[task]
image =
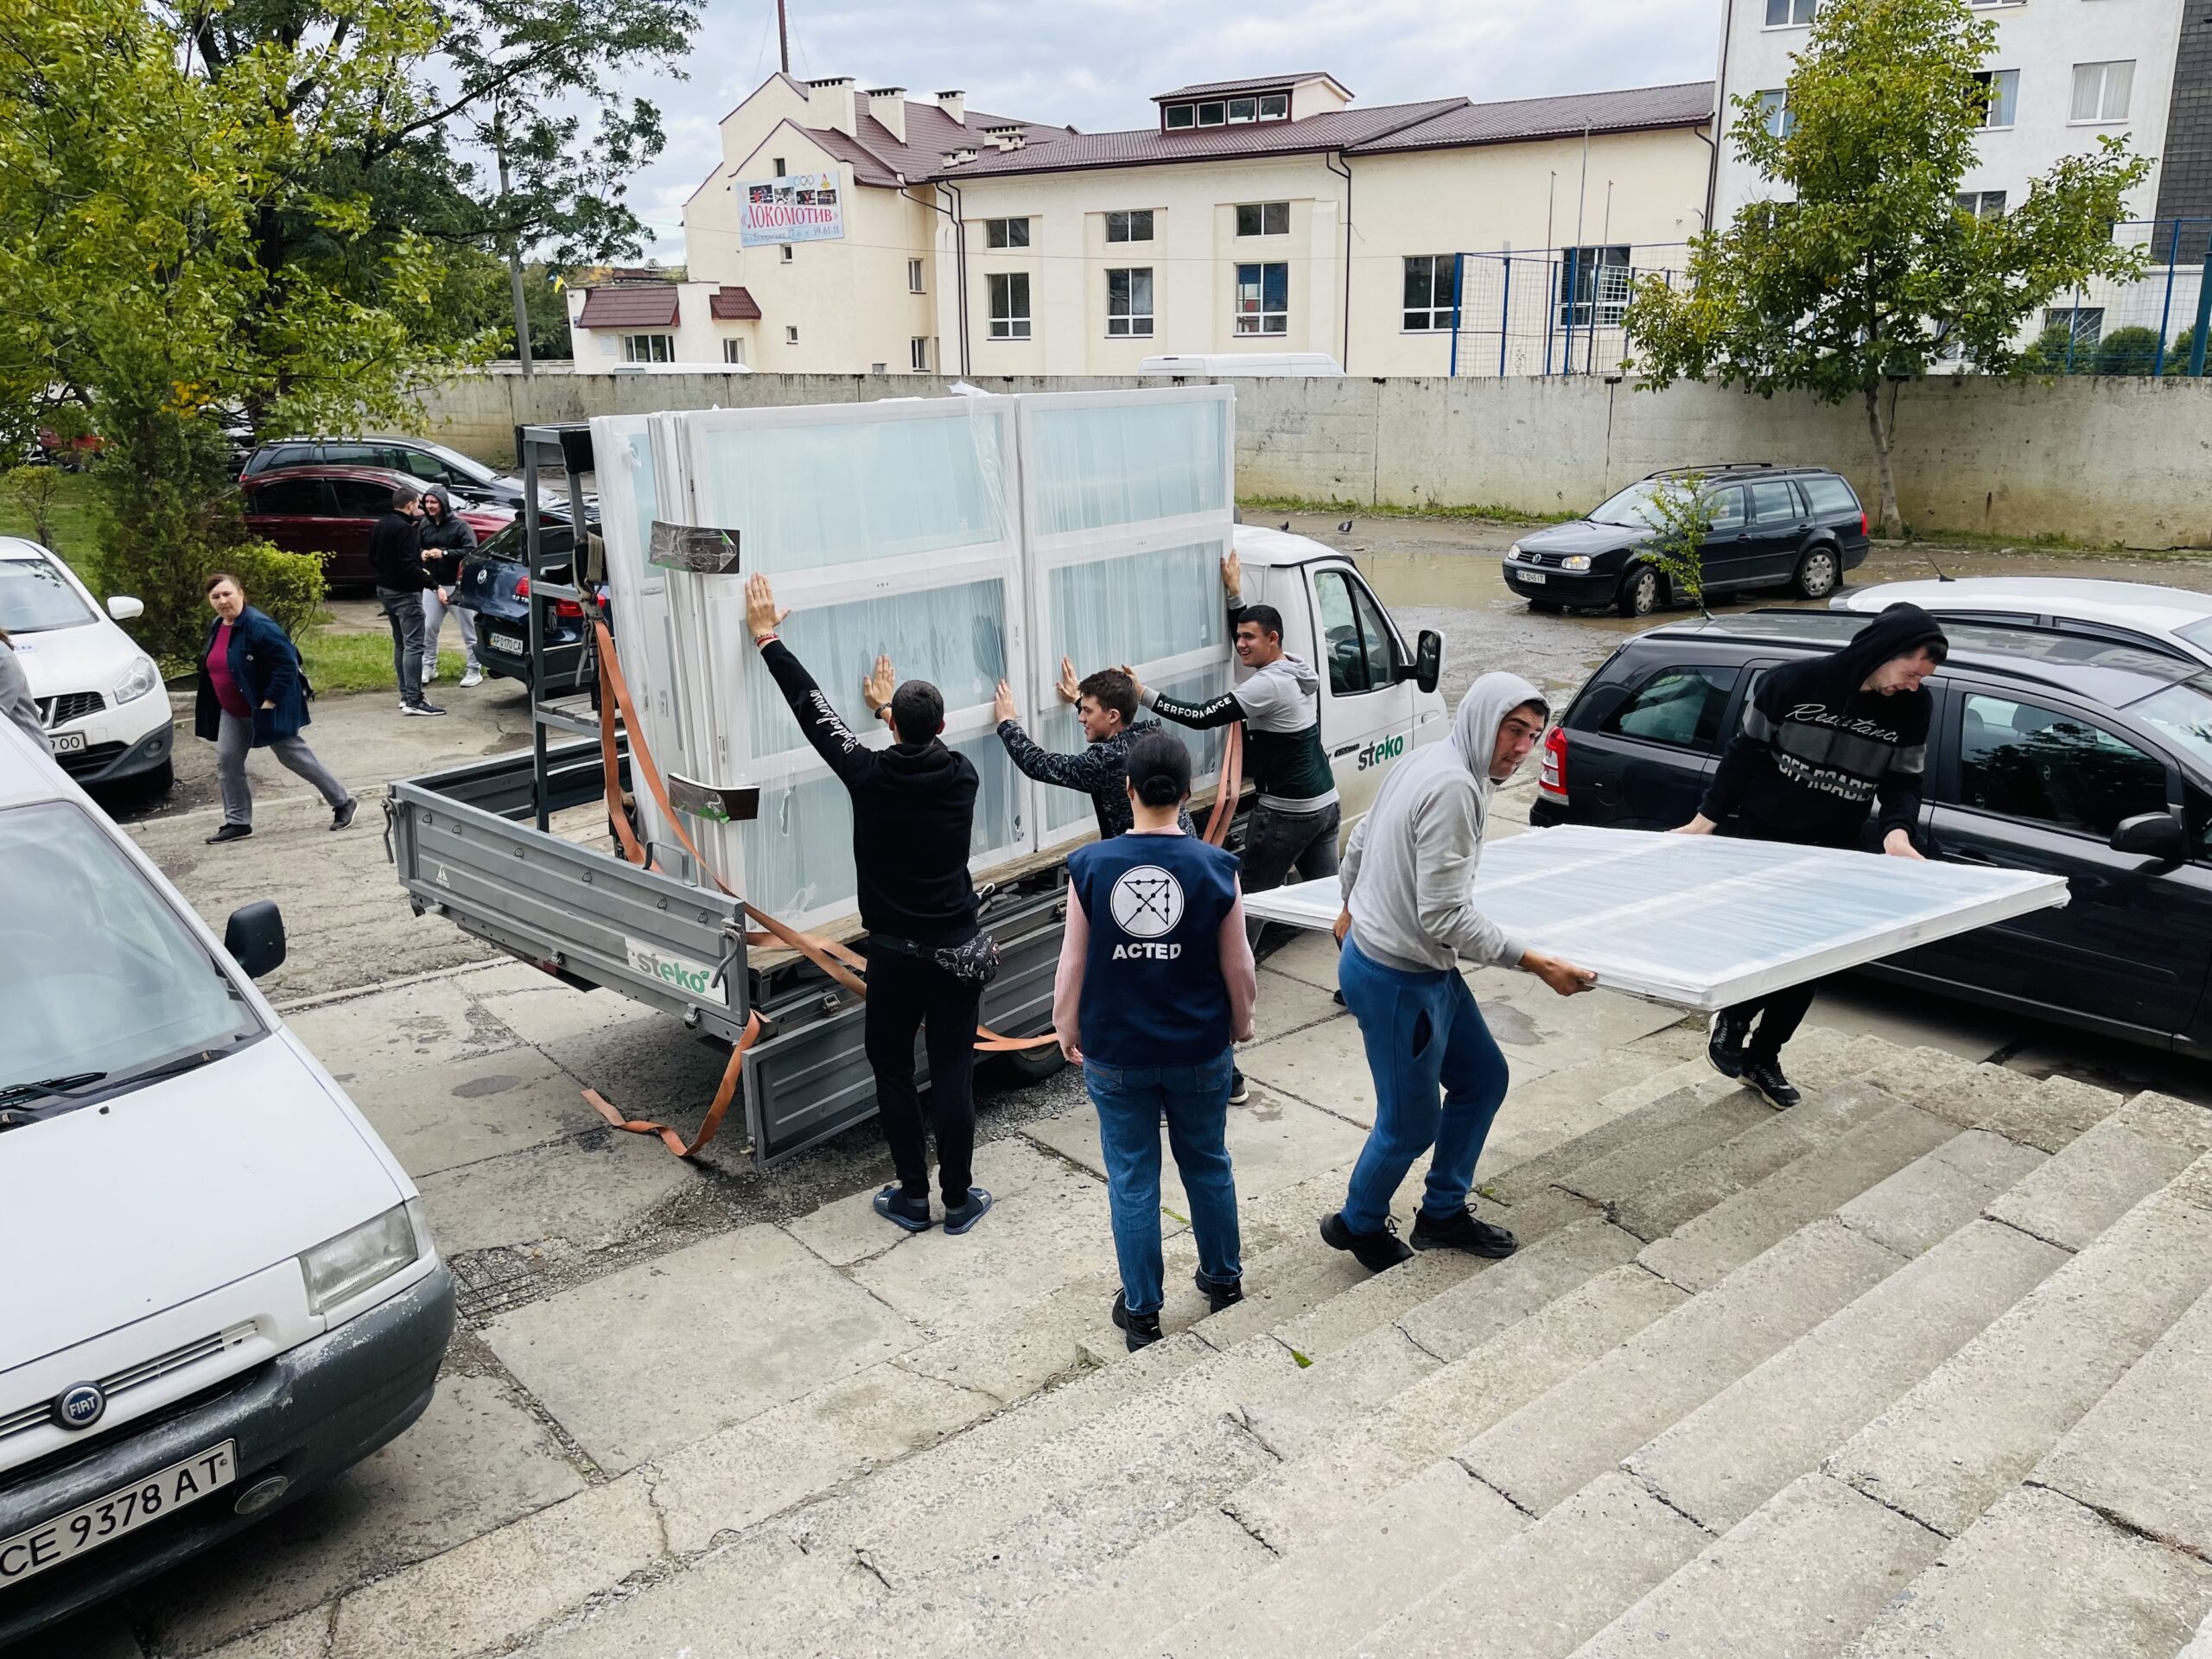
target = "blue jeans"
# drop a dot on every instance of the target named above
(1423, 1032)
(1194, 1099)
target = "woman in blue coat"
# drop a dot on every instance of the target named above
(253, 696)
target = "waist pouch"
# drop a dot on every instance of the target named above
(973, 963)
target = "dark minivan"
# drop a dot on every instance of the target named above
(427, 464)
(2051, 751)
(1795, 527)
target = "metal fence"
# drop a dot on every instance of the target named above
(1560, 310)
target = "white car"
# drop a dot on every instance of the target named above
(222, 1290)
(99, 697)
(2170, 619)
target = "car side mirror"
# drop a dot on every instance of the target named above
(2152, 835)
(1427, 665)
(124, 608)
(255, 937)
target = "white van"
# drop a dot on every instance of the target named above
(1250, 365)
(222, 1288)
(99, 697)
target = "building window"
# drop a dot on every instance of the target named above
(1271, 106)
(1133, 226)
(649, 348)
(1981, 204)
(1263, 299)
(1009, 302)
(1179, 115)
(732, 350)
(791, 334)
(2101, 90)
(1006, 232)
(789, 252)
(1593, 285)
(2000, 96)
(1212, 115)
(1129, 303)
(917, 354)
(1275, 106)
(776, 164)
(1774, 113)
(2085, 323)
(1785, 14)
(1430, 278)
(1264, 219)
(913, 276)
(1243, 108)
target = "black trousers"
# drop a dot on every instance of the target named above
(904, 994)
(1778, 1013)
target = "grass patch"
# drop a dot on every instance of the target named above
(361, 662)
(76, 529)
(1490, 513)
(1981, 541)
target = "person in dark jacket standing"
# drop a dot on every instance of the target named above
(446, 539)
(1155, 982)
(396, 558)
(1106, 708)
(1823, 741)
(253, 696)
(913, 814)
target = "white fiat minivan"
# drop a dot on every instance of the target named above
(221, 1289)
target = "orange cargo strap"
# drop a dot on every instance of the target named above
(725, 1092)
(1226, 788)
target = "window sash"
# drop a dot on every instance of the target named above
(2101, 91)
(1133, 224)
(1600, 278)
(1006, 232)
(1275, 106)
(1264, 219)
(1128, 302)
(917, 354)
(732, 350)
(913, 276)
(1263, 299)
(2001, 97)
(1243, 108)
(1210, 115)
(1781, 14)
(1775, 114)
(1179, 115)
(1427, 304)
(648, 348)
(1009, 292)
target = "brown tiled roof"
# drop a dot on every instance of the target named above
(1631, 110)
(1249, 84)
(877, 157)
(733, 305)
(1150, 146)
(648, 305)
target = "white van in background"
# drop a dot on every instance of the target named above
(221, 1289)
(1251, 364)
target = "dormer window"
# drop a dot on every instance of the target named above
(1275, 106)
(1234, 112)
(1210, 115)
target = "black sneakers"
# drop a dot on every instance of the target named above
(342, 817)
(912, 1214)
(1463, 1231)
(1725, 1047)
(230, 832)
(1374, 1251)
(1765, 1076)
(1220, 1296)
(1138, 1330)
(1238, 1094)
(958, 1219)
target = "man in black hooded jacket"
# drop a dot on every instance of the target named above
(1823, 741)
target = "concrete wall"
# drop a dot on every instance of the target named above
(2100, 461)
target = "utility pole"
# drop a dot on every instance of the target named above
(514, 243)
(783, 37)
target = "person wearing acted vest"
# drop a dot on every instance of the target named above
(1155, 982)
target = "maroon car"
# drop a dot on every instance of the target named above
(331, 509)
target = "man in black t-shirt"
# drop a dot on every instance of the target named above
(1823, 741)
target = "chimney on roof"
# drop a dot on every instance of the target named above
(959, 157)
(954, 104)
(1005, 137)
(888, 105)
(834, 98)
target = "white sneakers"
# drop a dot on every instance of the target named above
(474, 677)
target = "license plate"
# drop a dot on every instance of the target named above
(1537, 577)
(106, 1519)
(507, 642)
(66, 743)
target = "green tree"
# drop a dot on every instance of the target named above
(1680, 512)
(1859, 264)
(2127, 350)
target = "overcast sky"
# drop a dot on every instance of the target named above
(1096, 63)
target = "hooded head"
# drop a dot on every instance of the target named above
(1478, 734)
(1900, 632)
(444, 504)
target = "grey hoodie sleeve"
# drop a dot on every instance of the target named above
(1445, 845)
(1355, 851)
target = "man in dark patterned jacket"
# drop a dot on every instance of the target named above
(1106, 706)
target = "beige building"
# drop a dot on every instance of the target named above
(1265, 216)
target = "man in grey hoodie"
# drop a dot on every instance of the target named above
(1408, 919)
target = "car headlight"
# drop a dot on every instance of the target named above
(142, 677)
(1513, 551)
(340, 1269)
(1575, 562)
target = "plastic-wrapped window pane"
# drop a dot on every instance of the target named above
(1103, 462)
(1705, 922)
(1139, 607)
(1068, 810)
(628, 485)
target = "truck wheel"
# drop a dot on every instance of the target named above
(1816, 574)
(1641, 593)
(1035, 1065)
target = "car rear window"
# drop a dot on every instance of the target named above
(1682, 707)
(1829, 494)
(282, 454)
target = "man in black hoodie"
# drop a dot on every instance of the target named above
(913, 813)
(1823, 741)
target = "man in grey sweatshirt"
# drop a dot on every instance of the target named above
(1408, 917)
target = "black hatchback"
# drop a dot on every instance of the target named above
(1795, 527)
(2050, 751)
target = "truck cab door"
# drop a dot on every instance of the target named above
(1367, 710)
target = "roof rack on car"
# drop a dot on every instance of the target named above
(1710, 467)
